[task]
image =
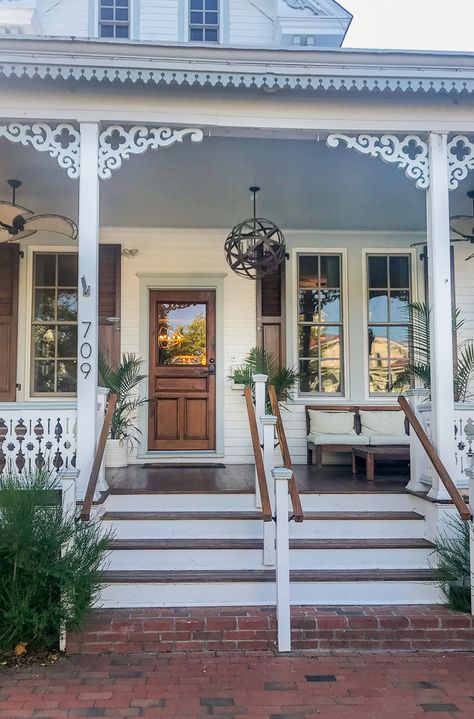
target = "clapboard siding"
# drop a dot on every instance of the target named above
(251, 23)
(159, 20)
(66, 18)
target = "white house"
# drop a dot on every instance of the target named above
(146, 123)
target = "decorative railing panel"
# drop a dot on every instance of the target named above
(37, 435)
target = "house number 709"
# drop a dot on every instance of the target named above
(85, 350)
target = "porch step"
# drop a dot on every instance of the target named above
(248, 525)
(257, 587)
(239, 554)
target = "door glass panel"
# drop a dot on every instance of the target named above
(182, 333)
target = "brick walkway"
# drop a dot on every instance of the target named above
(260, 686)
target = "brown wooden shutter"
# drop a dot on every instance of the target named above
(9, 269)
(109, 302)
(271, 313)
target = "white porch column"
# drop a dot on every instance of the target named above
(439, 288)
(87, 372)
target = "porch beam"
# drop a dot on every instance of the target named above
(88, 250)
(440, 303)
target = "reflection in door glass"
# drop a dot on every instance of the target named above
(182, 333)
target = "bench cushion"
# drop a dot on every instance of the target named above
(349, 439)
(379, 439)
(381, 422)
(339, 423)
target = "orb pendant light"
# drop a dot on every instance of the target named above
(255, 247)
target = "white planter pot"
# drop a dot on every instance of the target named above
(116, 453)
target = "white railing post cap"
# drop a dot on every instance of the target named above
(268, 419)
(282, 473)
(259, 377)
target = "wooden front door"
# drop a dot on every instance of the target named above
(182, 380)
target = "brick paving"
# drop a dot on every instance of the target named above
(257, 685)
(352, 628)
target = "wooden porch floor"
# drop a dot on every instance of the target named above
(239, 478)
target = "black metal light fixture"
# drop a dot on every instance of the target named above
(255, 247)
(17, 222)
(464, 224)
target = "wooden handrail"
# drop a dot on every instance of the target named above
(257, 453)
(441, 470)
(298, 515)
(99, 455)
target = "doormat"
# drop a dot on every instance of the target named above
(183, 466)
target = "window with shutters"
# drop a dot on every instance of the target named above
(320, 324)
(54, 324)
(388, 295)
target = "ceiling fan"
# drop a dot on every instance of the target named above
(462, 225)
(17, 222)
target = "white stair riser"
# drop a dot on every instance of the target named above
(182, 559)
(255, 594)
(252, 529)
(246, 502)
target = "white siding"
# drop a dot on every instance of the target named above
(159, 21)
(250, 23)
(66, 18)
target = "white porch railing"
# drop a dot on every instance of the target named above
(36, 435)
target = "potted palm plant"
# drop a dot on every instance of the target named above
(123, 381)
(260, 361)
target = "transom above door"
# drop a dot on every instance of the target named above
(182, 370)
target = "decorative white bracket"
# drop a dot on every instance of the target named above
(61, 142)
(410, 153)
(117, 143)
(460, 159)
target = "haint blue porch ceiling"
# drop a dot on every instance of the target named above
(305, 185)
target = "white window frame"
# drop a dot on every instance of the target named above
(222, 24)
(293, 313)
(366, 251)
(25, 333)
(132, 7)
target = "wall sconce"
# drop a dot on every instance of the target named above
(86, 289)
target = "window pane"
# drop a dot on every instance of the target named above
(196, 34)
(211, 18)
(196, 18)
(309, 306)
(121, 15)
(211, 35)
(378, 306)
(121, 3)
(399, 272)
(330, 306)
(309, 341)
(378, 342)
(211, 4)
(308, 271)
(67, 340)
(378, 271)
(330, 271)
(67, 373)
(107, 13)
(106, 30)
(121, 31)
(45, 301)
(67, 270)
(399, 343)
(330, 375)
(44, 376)
(396, 370)
(44, 338)
(182, 334)
(197, 4)
(309, 380)
(378, 376)
(67, 305)
(399, 306)
(330, 342)
(45, 270)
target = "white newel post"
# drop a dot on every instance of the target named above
(418, 457)
(87, 372)
(260, 381)
(281, 477)
(268, 423)
(68, 504)
(439, 287)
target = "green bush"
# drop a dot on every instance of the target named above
(452, 562)
(41, 587)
